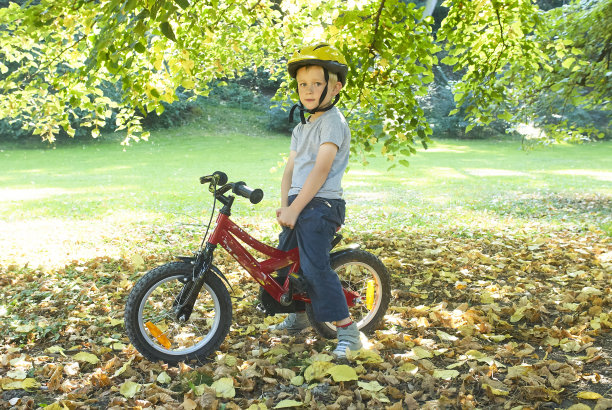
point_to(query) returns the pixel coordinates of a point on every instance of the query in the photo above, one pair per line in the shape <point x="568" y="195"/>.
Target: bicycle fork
<point x="183" y="305"/>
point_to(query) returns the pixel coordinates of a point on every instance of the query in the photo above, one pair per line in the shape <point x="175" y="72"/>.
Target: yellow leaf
<point x="494" y="391"/>
<point x="589" y="395"/>
<point x="518" y="314"/>
<point x="517" y="371"/>
<point x="364" y="356"/>
<point x="122" y="368"/>
<point x="129" y="389"/>
<point x="86" y="357"/>
<point x="286" y="374"/>
<point x="579" y="406"/>
<point x="27" y="328"/>
<point x="29" y="383"/>
<point x="277" y="351"/>
<point x="321" y="357"/>
<point x="224" y="387"/>
<point x="58" y="405"/>
<point x="229" y="360"/>
<point x="343" y="373"/>
<point x="445" y="337"/>
<point x="421" y="353"/>
<point x="285" y="404"/>
<point x="297" y="380"/>
<point x="445" y="374"/>
<point x="370" y="386"/>
<point x="486" y="298"/>
<point x="258" y="406"/>
<point x="316" y="371"/>
<point x="55" y="349"/>
<point x="409" y="368"/>
<point x="137" y="261"/>
<point x="163" y="378"/>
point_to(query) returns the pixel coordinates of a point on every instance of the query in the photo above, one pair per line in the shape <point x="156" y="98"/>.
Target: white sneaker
<point x="293" y="323"/>
<point x="348" y="339"/>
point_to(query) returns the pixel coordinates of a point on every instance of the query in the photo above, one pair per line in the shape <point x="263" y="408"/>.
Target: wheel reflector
<point x="161" y="338"/>
<point x="370" y="295"/>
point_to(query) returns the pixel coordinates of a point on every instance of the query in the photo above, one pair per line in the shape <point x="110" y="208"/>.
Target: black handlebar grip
<point x="253" y="195"/>
<point x="222" y="177"/>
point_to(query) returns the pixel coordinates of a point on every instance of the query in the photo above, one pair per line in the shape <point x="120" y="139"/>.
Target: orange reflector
<point x="161" y="338"/>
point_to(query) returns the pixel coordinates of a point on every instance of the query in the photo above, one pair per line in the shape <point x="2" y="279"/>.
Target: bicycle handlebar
<point x="219" y="178"/>
<point x="253" y="195"/>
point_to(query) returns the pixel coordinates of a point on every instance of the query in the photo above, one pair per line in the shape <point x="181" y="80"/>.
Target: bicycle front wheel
<point x="363" y="273"/>
<point x="151" y="322"/>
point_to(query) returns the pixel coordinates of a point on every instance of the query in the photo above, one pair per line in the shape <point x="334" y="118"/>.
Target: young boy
<point x="311" y="192"/>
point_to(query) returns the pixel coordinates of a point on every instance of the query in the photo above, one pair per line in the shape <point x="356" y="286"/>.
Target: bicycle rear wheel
<point x="359" y="270"/>
<point x="151" y="323"/>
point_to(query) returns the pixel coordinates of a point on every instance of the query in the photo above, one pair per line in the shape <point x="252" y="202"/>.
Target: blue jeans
<point x="312" y="234"/>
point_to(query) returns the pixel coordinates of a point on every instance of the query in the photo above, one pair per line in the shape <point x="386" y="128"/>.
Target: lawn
<point x="459" y="186"/>
<point x="501" y="264"/>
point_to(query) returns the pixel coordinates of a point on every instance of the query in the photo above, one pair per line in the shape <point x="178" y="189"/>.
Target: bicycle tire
<point x="355" y="268"/>
<point x="149" y="311"/>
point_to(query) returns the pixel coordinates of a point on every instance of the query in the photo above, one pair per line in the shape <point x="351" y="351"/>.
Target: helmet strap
<point x="303" y="109"/>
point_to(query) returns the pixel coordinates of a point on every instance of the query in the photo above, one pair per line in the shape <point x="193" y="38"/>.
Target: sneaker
<point x="348" y="338"/>
<point x="293" y="323"/>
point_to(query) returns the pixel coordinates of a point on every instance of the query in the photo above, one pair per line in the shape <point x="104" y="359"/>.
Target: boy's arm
<point x="287" y="216"/>
<point x="286" y="181"/>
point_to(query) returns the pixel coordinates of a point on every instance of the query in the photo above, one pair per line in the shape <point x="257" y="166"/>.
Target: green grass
<point x="456" y="186"/>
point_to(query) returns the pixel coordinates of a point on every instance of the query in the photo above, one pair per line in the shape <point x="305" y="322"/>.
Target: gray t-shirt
<point x="306" y="139"/>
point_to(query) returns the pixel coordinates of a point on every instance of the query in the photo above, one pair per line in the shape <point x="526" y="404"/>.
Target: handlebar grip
<point x="221" y="178"/>
<point x="253" y="195"/>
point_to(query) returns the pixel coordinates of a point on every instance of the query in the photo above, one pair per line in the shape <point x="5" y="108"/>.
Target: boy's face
<point x="311" y="83"/>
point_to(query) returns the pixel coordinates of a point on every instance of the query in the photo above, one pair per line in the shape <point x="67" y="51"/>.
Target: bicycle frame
<point x="225" y="234"/>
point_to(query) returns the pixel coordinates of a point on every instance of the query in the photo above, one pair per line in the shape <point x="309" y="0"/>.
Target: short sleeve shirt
<point x="306" y="139"/>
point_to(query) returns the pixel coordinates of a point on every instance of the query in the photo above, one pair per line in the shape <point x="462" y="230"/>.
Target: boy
<point x="311" y="192"/>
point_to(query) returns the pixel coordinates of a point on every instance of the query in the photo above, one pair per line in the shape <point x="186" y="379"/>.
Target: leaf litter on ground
<point x="510" y="319"/>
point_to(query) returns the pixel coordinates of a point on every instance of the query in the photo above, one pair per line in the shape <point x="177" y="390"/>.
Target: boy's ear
<point x="337" y="87"/>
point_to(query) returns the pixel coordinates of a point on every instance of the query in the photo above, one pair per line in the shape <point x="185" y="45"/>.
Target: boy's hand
<point x="286" y="216"/>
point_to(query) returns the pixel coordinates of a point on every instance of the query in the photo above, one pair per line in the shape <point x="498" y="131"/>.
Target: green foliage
<point x="517" y="62"/>
<point x="523" y="65"/>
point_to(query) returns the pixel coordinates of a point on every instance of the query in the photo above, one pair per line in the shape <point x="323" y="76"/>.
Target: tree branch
<point x="381" y="7"/>
<point x="501" y="27"/>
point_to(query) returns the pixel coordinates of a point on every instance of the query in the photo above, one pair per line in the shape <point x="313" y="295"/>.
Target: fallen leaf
<point x="129" y="389"/>
<point x="589" y="395"/>
<point x="285" y="404"/>
<point x="86" y="357"/>
<point x="370" y="386"/>
<point x="445" y="374"/>
<point x="224" y="387"/>
<point x="342" y="373"/>
<point x="495" y="391"/>
<point x="316" y="371"/>
<point x="163" y="378"/>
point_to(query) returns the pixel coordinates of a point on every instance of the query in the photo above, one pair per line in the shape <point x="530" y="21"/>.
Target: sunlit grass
<point x="99" y="191"/>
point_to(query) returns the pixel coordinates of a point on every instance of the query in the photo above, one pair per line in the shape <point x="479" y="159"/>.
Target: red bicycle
<point x="182" y="310"/>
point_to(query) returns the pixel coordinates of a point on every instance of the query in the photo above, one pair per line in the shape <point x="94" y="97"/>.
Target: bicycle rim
<point x="163" y="332"/>
<point x="355" y="276"/>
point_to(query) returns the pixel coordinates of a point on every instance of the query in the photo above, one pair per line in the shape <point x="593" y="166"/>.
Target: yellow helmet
<point x="323" y="55"/>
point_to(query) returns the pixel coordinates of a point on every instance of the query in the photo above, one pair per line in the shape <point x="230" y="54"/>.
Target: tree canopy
<point x="518" y="63"/>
